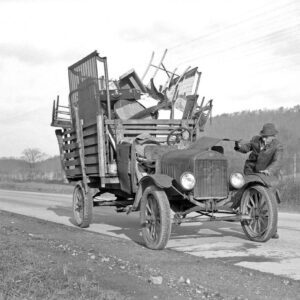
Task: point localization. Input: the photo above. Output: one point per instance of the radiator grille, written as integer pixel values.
(211, 178)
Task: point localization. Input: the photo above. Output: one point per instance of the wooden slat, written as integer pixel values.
(92, 170)
(136, 132)
(72, 154)
(80, 143)
(148, 122)
(92, 149)
(154, 127)
(89, 131)
(101, 146)
(70, 146)
(69, 132)
(91, 140)
(143, 127)
(69, 138)
(73, 162)
(91, 160)
(88, 161)
(146, 127)
(73, 172)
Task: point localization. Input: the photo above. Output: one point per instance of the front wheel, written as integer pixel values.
(82, 206)
(260, 205)
(155, 218)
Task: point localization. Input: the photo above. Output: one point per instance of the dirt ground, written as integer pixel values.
(43, 260)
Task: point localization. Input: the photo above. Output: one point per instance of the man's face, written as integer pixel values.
(268, 139)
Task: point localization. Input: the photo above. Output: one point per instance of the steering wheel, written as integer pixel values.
(177, 135)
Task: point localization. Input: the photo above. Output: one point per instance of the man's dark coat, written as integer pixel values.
(263, 157)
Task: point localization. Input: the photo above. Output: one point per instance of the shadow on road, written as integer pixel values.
(129, 225)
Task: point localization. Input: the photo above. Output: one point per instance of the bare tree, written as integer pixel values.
(32, 156)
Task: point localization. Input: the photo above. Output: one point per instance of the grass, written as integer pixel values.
(39, 269)
(43, 187)
(290, 195)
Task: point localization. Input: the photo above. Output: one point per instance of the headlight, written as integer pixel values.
(187, 180)
(237, 180)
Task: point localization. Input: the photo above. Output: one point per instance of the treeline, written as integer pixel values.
(20, 169)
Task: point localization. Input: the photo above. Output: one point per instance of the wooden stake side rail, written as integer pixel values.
(119, 129)
(154, 131)
(158, 128)
(171, 122)
(71, 152)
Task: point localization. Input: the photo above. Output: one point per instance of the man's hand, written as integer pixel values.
(265, 172)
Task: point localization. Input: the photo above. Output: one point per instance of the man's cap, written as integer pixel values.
(268, 130)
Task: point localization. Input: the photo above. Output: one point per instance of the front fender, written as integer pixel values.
(267, 181)
(160, 180)
(257, 178)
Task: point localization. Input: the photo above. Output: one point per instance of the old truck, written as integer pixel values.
(146, 147)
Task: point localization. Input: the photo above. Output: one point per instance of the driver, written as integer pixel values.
(266, 154)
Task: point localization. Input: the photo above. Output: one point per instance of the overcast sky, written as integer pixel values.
(248, 51)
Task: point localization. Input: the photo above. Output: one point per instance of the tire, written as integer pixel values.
(155, 218)
(260, 204)
(82, 206)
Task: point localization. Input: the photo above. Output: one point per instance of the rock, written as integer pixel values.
(188, 281)
(93, 256)
(156, 279)
(105, 259)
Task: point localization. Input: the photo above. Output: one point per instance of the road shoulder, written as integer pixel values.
(130, 271)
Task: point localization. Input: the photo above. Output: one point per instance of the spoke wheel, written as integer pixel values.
(155, 218)
(82, 206)
(260, 205)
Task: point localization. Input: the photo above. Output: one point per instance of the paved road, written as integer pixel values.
(221, 240)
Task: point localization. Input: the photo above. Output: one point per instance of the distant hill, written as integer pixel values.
(245, 124)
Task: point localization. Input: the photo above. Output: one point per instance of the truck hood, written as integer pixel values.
(175, 162)
(204, 143)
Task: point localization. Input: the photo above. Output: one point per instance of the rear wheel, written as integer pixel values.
(155, 218)
(82, 206)
(260, 205)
